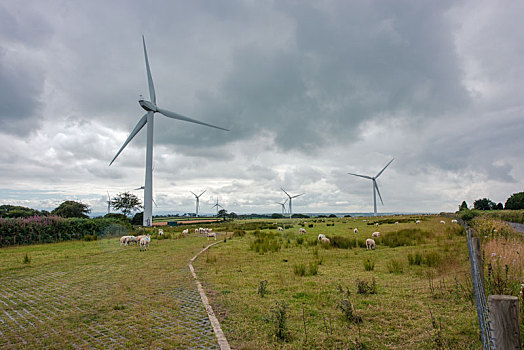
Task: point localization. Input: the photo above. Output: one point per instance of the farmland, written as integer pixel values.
(268, 288)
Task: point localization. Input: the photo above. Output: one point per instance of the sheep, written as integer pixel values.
(417, 222)
(375, 235)
(396, 222)
(197, 230)
(355, 230)
(325, 240)
(185, 232)
(144, 242)
(454, 221)
(302, 230)
(442, 222)
(376, 224)
(211, 234)
(160, 232)
(124, 240)
(280, 229)
(370, 244)
(320, 236)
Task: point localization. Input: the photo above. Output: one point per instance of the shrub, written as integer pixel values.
(278, 315)
(395, 266)
(345, 305)
(369, 265)
(364, 287)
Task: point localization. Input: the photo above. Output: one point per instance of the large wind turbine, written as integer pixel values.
(290, 198)
(197, 200)
(152, 108)
(283, 204)
(375, 186)
(217, 205)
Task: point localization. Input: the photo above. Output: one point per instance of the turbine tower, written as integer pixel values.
(197, 200)
(290, 198)
(152, 108)
(217, 205)
(283, 204)
(375, 186)
(108, 203)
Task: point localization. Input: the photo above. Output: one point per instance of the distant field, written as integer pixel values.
(98, 294)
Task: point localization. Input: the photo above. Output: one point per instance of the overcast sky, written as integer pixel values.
(311, 90)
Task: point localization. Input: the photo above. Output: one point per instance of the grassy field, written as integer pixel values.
(412, 292)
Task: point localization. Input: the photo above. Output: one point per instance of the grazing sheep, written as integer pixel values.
(396, 222)
(197, 230)
(185, 232)
(144, 242)
(375, 235)
(125, 240)
(370, 244)
(302, 230)
(442, 222)
(211, 234)
(454, 221)
(355, 230)
(160, 232)
(320, 236)
(417, 222)
(376, 224)
(325, 240)
(280, 229)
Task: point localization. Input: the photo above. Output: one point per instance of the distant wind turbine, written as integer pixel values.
(108, 203)
(217, 205)
(375, 186)
(283, 204)
(141, 188)
(197, 200)
(148, 118)
(290, 198)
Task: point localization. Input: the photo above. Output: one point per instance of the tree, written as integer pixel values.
(277, 216)
(126, 202)
(484, 204)
(222, 214)
(516, 201)
(499, 206)
(463, 206)
(72, 209)
(233, 215)
(138, 219)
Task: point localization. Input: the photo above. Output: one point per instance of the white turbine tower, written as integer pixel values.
(197, 200)
(108, 203)
(290, 198)
(152, 108)
(217, 205)
(375, 186)
(283, 204)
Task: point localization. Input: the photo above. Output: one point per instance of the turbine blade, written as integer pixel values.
(140, 188)
(194, 194)
(379, 196)
(155, 203)
(285, 192)
(298, 195)
(135, 131)
(149, 78)
(364, 176)
(202, 193)
(174, 115)
(381, 171)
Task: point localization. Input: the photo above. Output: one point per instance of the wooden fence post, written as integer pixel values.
(504, 316)
(478, 257)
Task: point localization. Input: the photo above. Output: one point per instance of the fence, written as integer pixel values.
(498, 323)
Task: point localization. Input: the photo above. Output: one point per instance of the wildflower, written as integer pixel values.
(493, 254)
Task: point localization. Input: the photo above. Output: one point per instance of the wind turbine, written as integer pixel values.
(283, 204)
(152, 108)
(375, 186)
(108, 203)
(198, 200)
(217, 205)
(141, 188)
(290, 198)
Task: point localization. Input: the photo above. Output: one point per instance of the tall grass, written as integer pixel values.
(406, 237)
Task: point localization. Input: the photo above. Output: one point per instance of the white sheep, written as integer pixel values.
(396, 222)
(417, 222)
(355, 230)
(211, 234)
(197, 230)
(280, 229)
(454, 221)
(302, 230)
(160, 232)
(320, 236)
(375, 235)
(144, 242)
(185, 232)
(124, 240)
(325, 240)
(370, 244)
(376, 224)
(442, 222)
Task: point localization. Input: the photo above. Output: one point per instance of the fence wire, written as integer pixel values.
(480, 296)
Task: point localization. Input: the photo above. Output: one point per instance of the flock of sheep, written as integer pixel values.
(142, 240)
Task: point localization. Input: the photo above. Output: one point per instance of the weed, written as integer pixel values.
(395, 266)
(27, 259)
(262, 288)
(345, 305)
(464, 290)
(278, 316)
(369, 265)
(364, 287)
(436, 334)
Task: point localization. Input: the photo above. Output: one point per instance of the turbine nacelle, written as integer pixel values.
(147, 105)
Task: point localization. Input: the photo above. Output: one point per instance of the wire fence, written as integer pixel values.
(486, 330)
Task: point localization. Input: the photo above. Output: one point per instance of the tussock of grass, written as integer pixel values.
(406, 237)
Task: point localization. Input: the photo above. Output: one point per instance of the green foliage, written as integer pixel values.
(364, 287)
(15, 211)
(432, 259)
(262, 288)
(72, 209)
(369, 265)
(56, 229)
(468, 215)
(395, 266)
(116, 216)
(345, 305)
(515, 202)
(406, 237)
(138, 219)
(265, 242)
(27, 259)
(126, 203)
(313, 268)
(278, 316)
(415, 258)
(484, 204)
(300, 240)
(299, 269)
(92, 237)
(343, 242)
(463, 206)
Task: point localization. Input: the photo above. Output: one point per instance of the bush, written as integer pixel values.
(395, 266)
(468, 215)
